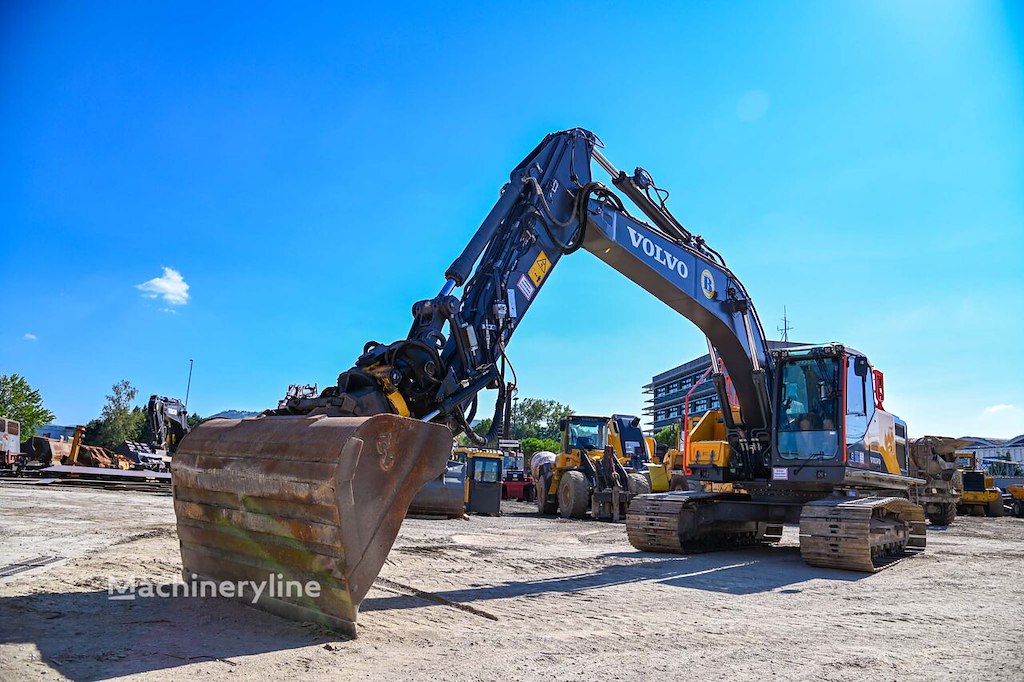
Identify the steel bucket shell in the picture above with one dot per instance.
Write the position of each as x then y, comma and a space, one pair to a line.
285, 500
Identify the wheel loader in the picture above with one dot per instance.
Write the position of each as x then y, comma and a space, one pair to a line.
593, 472
316, 490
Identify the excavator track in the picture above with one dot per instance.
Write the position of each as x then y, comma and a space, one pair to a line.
866, 534
668, 522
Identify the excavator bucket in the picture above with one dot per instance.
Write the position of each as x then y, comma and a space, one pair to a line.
305, 506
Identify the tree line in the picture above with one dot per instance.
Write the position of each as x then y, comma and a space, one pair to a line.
118, 421
535, 424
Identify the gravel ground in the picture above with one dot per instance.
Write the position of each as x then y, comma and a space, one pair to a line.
515, 597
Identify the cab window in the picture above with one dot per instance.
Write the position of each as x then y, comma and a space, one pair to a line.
587, 434
809, 409
859, 399
487, 470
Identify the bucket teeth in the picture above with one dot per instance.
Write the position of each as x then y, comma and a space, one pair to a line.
285, 501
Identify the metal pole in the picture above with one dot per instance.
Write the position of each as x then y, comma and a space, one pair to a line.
189, 386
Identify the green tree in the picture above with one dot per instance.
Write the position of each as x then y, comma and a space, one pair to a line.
194, 420
22, 403
668, 436
533, 445
536, 418
118, 421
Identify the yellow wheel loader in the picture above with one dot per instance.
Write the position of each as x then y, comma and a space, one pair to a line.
594, 472
314, 492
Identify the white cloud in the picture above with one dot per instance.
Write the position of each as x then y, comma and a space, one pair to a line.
30, 337
171, 287
998, 408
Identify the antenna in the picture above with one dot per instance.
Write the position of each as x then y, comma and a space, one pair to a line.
189, 387
786, 326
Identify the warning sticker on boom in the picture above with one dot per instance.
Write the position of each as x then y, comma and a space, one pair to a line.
525, 287
540, 267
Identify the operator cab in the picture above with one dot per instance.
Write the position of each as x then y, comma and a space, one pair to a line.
585, 433
830, 418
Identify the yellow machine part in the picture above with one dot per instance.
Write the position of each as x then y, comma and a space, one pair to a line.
301, 498
659, 478
710, 453
979, 496
708, 444
1016, 492
652, 447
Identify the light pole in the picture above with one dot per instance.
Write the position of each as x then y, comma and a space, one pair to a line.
515, 407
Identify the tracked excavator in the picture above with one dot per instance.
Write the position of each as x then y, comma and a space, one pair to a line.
317, 489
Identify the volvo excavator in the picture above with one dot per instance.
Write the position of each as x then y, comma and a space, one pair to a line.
317, 489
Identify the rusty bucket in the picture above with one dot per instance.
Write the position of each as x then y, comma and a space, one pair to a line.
307, 507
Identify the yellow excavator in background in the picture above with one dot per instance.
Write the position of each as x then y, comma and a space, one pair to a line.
702, 445
316, 490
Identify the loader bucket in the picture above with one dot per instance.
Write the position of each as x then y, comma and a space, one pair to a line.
292, 501
443, 497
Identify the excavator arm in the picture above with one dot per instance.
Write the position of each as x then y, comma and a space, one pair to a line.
168, 422
316, 490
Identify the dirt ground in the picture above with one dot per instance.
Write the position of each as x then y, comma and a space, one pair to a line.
515, 597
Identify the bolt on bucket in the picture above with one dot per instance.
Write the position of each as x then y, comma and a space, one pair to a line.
289, 501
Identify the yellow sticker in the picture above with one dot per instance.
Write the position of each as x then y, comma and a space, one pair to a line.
539, 269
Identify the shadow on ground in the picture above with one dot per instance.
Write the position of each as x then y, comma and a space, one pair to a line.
747, 571
86, 636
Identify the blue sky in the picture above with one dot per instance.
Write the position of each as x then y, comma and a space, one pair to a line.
310, 172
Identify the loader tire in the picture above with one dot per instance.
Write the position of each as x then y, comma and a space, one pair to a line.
945, 515
1018, 509
678, 482
995, 507
544, 506
573, 495
638, 484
